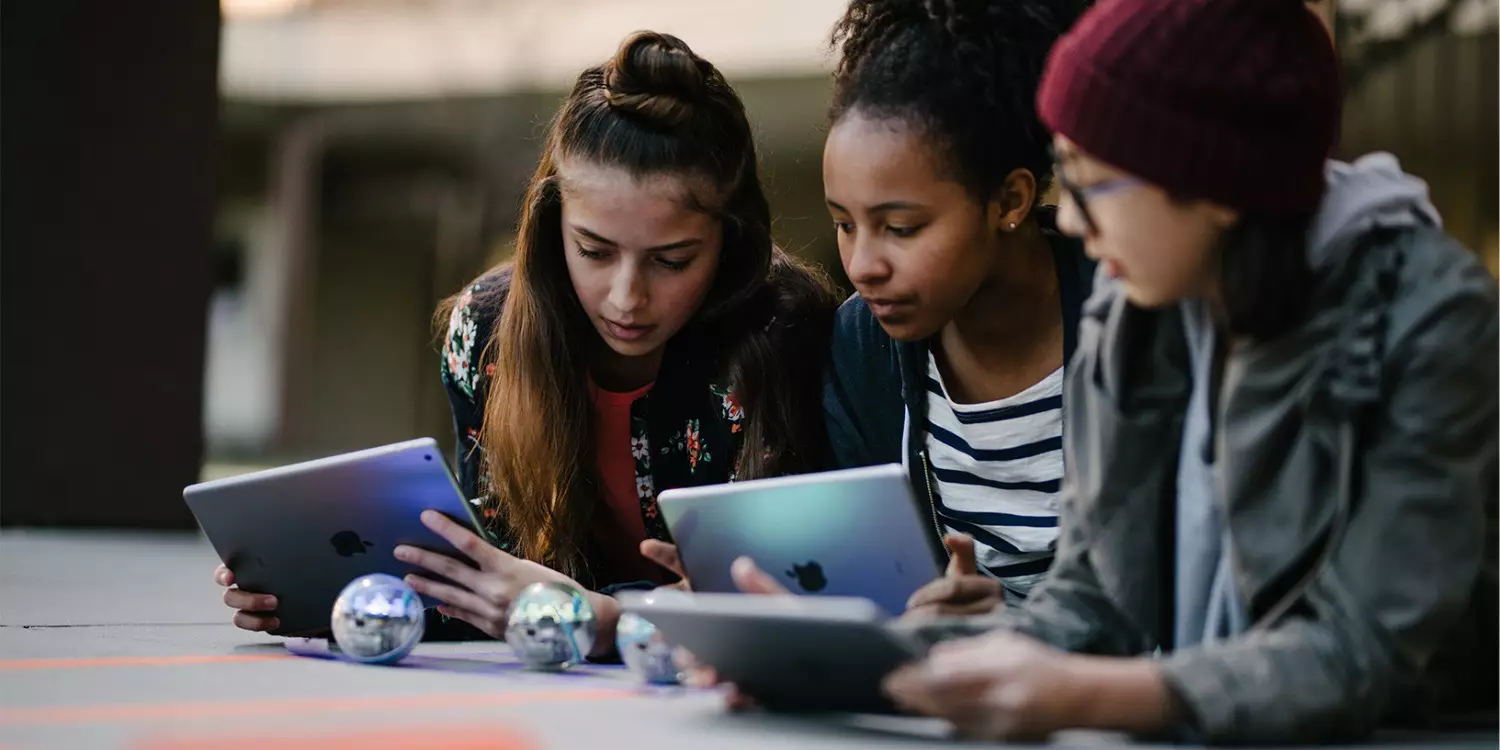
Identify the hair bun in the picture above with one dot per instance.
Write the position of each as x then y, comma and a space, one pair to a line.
655, 77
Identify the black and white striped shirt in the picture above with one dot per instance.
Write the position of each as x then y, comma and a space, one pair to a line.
998, 468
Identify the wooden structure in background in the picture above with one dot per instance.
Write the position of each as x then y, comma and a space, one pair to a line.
107, 155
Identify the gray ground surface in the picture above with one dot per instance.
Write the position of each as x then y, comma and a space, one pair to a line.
119, 640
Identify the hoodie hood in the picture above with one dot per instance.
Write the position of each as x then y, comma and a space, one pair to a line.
1372, 192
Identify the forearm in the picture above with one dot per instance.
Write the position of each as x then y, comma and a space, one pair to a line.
1124, 695
606, 617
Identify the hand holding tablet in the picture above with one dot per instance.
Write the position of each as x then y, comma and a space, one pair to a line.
853, 533
786, 653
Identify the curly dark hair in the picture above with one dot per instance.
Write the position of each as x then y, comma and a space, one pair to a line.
965, 71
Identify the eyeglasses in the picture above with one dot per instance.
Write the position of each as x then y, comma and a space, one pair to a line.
1081, 195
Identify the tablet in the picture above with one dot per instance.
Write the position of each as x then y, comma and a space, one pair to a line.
854, 532
303, 532
788, 653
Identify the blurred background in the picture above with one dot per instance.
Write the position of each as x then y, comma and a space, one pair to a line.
225, 228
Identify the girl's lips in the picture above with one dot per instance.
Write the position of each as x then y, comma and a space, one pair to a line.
625, 332
888, 308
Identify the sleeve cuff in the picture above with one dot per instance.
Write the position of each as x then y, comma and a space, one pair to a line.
1204, 706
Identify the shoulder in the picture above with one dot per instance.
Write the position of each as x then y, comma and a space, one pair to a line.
1434, 266
857, 333
1443, 294
864, 356
472, 316
1419, 282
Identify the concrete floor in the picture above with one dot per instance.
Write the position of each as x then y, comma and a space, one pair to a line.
120, 640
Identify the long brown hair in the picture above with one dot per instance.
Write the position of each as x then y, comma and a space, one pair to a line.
655, 108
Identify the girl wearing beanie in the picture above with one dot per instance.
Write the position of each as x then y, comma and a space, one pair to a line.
1278, 520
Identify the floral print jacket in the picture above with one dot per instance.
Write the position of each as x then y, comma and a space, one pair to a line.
687, 431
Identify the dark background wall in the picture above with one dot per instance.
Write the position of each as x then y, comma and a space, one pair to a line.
106, 157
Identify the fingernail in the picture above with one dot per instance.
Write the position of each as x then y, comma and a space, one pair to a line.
429, 517
268, 602
401, 552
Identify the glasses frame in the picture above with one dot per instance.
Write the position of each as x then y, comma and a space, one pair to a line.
1081, 195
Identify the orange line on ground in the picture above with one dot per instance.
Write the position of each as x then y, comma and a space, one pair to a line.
437, 737
135, 712
138, 661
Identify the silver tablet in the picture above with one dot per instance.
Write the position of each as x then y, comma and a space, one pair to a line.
303, 532
788, 653
854, 532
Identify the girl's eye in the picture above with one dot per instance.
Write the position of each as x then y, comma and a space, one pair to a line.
673, 265
591, 254
904, 231
843, 227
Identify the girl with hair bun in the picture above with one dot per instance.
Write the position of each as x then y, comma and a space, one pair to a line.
647, 335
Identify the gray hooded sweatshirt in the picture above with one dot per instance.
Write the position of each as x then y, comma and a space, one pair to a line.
1372, 192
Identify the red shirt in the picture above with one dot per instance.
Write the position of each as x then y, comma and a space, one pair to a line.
617, 527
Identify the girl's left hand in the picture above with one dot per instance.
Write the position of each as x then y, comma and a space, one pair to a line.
482, 595
961, 592
1000, 686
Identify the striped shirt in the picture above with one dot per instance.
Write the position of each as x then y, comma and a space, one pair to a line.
998, 468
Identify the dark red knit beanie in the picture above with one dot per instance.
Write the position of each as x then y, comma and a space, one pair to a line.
1231, 101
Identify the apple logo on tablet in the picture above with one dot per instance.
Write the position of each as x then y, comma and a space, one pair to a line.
348, 544
810, 576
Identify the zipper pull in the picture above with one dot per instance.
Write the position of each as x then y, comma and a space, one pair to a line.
937, 524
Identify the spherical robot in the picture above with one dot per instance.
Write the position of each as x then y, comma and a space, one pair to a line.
645, 652
551, 626
377, 619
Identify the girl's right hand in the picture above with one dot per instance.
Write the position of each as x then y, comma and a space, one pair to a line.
750, 579
251, 609
699, 675
747, 577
